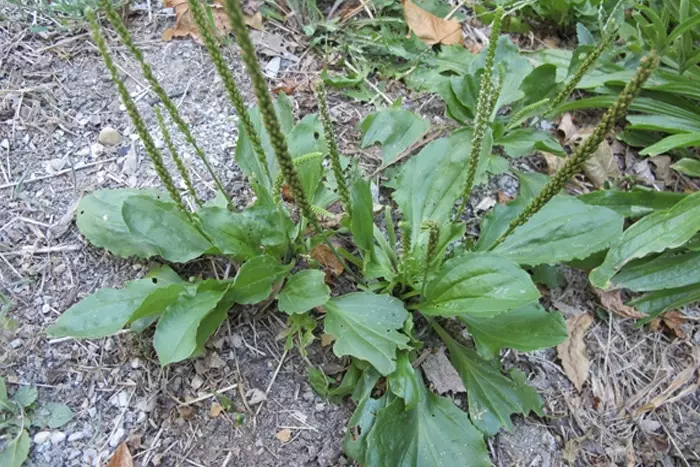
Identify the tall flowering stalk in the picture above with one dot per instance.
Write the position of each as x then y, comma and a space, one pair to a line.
170, 106
485, 101
575, 161
433, 229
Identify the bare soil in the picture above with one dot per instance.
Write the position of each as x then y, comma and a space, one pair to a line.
56, 98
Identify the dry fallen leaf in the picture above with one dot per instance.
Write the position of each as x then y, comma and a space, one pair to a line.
284, 435
663, 168
667, 395
185, 25
554, 162
326, 339
572, 352
323, 254
440, 372
121, 458
429, 28
611, 300
602, 164
187, 412
673, 320
215, 410
567, 128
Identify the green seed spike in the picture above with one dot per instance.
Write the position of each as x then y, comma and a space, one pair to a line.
118, 24
575, 161
580, 72
200, 18
405, 246
433, 229
176, 157
333, 147
486, 96
135, 116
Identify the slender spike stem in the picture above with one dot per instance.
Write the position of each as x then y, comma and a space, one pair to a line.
333, 148
200, 18
118, 24
433, 229
580, 72
176, 157
584, 151
482, 110
132, 111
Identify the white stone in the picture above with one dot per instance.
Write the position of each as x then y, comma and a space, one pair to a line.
42, 437
57, 437
116, 437
77, 436
109, 136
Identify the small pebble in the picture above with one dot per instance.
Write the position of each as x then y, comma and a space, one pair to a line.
89, 455
58, 437
135, 363
77, 436
16, 343
116, 437
109, 136
42, 437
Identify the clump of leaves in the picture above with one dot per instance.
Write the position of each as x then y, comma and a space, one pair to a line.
18, 413
421, 275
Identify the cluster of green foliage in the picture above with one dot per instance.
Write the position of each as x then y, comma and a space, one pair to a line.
419, 274
17, 414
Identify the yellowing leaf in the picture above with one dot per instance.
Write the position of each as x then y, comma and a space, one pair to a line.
122, 457
573, 353
429, 28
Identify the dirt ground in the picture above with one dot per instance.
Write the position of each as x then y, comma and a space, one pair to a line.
56, 98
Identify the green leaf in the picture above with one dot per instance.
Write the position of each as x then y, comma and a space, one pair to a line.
169, 286
434, 433
427, 186
104, 312
246, 234
52, 415
654, 233
547, 275
655, 303
256, 277
175, 338
213, 320
318, 380
525, 141
527, 328
366, 326
564, 229
688, 166
360, 425
404, 382
479, 284
362, 226
540, 83
632, 204
165, 227
395, 129
669, 143
496, 222
531, 183
492, 396
99, 219
246, 158
16, 451
665, 271
666, 124
304, 291
25, 396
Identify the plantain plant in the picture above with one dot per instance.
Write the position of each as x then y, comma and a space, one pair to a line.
413, 281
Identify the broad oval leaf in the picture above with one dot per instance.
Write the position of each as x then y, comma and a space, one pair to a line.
366, 326
655, 303
165, 227
682, 140
654, 233
564, 229
108, 310
15, 451
527, 328
304, 291
175, 338
99, 219
362, 220
404, 382
668, 270
360, 425
256, 277
525, 141
632, 204
434, 433
479, 284
688, 166
492, 396
395, 129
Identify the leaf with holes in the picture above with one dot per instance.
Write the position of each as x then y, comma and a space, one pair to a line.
492, 396
304, 291
395, 129
366, 326
479, 284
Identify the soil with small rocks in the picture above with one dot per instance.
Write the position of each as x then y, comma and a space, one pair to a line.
64, 133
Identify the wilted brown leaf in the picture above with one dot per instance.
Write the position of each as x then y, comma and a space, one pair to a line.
602, 164
185, 25
663, 168
121, 458
683, 378
572, 352
673, 320
567, 128
187, 412
554, 162
612, 301
215, 410
323, 254
429, 28
326, 339
284, 435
